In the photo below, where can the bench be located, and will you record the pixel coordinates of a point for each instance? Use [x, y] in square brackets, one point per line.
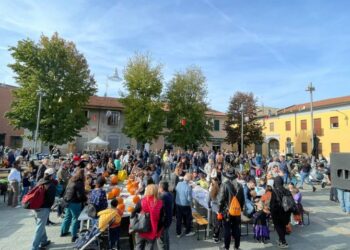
[201, 222]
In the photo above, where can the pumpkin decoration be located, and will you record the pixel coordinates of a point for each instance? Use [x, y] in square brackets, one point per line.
[135, 184]
[120, 200]
[121, 207]
[105, 174]
[132, 191]
[130, 209]
[115, 192]
[135, 199]
[110, 196]
[114, 180]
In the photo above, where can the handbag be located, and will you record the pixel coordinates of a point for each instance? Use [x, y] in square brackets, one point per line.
[141, 223]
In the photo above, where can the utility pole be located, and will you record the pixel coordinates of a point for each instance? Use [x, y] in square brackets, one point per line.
[40, 94]
[311, 89]
[242, 131]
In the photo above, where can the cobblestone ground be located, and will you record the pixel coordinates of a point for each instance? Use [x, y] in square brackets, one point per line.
[329, 229]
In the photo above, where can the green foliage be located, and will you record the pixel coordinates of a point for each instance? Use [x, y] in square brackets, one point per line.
[252, 129]
[57, 68]
[144, 116]
[186, 98]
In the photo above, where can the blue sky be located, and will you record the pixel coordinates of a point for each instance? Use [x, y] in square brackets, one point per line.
[272, 48]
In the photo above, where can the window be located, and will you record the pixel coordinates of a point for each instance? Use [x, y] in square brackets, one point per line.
[216, 125]
[15, 141]
[87, 113]
[303, 125]
[320, 148]
[334, 122]
[318, 127]
[113, 118]
[288, 126]
[304, 147]
[335, 147]
[272, 126]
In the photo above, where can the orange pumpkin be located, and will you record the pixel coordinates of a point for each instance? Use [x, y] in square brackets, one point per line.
[110, 196]
[115, 192]
[135, 199]
[114, 180]
[120, 200]
[132, 191]
[130, 209]
[105, 174]
[135, 184]
[121, 207]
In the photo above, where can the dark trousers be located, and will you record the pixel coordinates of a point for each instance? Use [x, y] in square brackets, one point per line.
[232, 229]
[183, 213]
[217, 225]
[114, 237]
[144, 244]
[281, 231]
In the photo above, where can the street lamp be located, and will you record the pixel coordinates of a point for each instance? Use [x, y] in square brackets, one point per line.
[241, 109]
[40, 93]
[311, 89]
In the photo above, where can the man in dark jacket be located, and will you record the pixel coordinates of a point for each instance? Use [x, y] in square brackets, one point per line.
[42, 169]
[167, 198]
[41, 215]
[230, 188]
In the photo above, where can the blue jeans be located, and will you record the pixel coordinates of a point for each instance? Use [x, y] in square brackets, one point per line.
[249, 208]
[305, 177]
[285, 178]
[70, 220]
[41, 216]
[344, 199]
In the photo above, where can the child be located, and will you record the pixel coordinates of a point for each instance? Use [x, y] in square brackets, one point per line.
[203, 182]
[25, 184]
[261, 229]
[296, 216]
[105, 218]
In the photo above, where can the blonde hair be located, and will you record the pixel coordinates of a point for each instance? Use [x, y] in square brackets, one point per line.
[152, 190]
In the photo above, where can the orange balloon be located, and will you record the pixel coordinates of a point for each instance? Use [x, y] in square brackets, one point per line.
[120, 200]
[115, 192]
[135, 199]
[114, 180]
[121, 207]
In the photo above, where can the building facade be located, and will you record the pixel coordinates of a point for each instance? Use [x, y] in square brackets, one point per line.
[290, 129]
[9, 136]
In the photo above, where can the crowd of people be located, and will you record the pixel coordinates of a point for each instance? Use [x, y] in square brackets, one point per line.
[246, 186]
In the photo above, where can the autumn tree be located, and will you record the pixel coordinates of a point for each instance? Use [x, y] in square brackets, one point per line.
[56, 68]
[144, 115]
[252, 128]
[186, 103]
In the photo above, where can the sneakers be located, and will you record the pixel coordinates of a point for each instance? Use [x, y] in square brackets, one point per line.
[313, 189]
[178, 235]
[18, 206]
[216, 240]
[190, 234]
[43, 246]
[283, 245]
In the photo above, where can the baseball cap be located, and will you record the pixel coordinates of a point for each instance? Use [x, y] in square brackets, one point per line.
[49, 171]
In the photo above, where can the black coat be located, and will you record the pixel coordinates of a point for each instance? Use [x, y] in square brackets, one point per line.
[50, 192]
[75, 192]
[279, 216]
[228, 190]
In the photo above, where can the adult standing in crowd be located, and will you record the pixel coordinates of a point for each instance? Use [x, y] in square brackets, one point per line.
[151, 204]
[305, 173]
[41, 215]
[280, 217]
[42, 168]
[163, 241]
[14, 179]
[74, 196]
[230, 188]
[183, 206]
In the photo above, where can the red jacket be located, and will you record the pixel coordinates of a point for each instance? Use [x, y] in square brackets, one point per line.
[148, 205]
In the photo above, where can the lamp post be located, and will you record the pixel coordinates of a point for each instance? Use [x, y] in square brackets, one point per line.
[311, 89]
[40, 93]
[241, 109]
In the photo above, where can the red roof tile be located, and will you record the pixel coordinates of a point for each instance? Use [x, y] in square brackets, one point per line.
[104, 102]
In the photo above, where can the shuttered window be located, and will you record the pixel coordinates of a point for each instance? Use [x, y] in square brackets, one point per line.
[272, 126]
[334, 122]
[304, 147]
[335, 147]
[216, 125]
[303, 125]
[288, 126]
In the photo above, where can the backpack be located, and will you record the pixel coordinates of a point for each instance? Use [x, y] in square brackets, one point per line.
[288, 203]
[235, 207]
[34, 199]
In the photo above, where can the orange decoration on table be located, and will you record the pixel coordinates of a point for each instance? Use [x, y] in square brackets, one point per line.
[121, 207]
[135, 199]
[110, 196]
[105, 174]
[115, 192]
[130, 209]
[132, 191]
[135, 184]
[114, 180]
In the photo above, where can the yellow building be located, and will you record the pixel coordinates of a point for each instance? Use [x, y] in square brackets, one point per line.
[289, 130]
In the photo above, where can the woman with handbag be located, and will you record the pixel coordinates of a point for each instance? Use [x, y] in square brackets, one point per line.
[75, 197]
[151, 206]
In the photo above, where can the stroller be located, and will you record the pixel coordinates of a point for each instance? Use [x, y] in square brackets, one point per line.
[94, 239]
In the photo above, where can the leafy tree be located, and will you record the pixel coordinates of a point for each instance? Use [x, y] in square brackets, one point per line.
[54, 66]
[144, 116]
[252, 129]
[186, 99]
